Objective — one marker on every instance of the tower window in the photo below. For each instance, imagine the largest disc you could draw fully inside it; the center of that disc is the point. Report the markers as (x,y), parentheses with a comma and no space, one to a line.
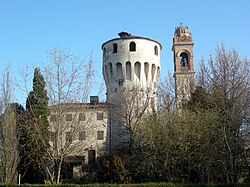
(128,71)
(110,70)
(138,70)
(153,72)
(132,46)
(104,52)
(156,50)
(119,73)
(146,69)
(114,48)
(184,59)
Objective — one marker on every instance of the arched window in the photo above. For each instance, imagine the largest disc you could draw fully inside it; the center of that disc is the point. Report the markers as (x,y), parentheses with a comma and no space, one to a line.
(146,68)
(119,70)
(156,50)
(158,74)
(110,70)
(114,48)
(153,72)
(184,59)
(138,70)
(128,71)
(132,46)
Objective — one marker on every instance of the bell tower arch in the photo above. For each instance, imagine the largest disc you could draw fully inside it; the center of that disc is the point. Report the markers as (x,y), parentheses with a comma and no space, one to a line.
(183,64)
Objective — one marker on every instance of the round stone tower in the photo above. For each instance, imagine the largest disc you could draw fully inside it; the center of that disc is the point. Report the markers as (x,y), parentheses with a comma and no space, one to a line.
(131,61)
(131,70)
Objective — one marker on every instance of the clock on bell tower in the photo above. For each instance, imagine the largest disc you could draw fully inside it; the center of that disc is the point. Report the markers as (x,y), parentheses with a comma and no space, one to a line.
(183,64)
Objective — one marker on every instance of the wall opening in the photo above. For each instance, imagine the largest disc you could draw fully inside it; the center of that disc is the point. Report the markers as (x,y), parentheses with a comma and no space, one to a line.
(146,69)
(110,70)
(128,71)
(119,70)
(138,70)
(114,48)
(158,74)
(153,72)
(156,50)
(184,59)
(132,46)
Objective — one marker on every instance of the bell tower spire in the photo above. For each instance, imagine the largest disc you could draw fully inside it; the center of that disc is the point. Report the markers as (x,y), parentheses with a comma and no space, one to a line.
(183,64)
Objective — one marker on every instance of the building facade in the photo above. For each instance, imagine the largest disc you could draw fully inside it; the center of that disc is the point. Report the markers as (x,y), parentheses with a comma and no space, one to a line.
(131,70)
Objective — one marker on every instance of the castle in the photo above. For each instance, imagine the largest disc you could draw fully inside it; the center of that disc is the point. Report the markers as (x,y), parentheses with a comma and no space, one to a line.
(131,70)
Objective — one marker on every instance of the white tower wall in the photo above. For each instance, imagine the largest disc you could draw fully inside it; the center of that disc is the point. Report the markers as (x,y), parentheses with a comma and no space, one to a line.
(131,70)
(125,68)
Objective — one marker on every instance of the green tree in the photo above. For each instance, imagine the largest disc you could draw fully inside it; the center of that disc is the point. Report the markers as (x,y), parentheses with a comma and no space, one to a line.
(227,82)
(37,140)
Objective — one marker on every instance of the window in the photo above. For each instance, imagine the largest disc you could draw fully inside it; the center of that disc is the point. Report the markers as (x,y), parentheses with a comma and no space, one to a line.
(184,59)
(91,159)
(104,52)
(100,135)
(68,137)
(99,116)
(68,117)
(114,48)
(82,135)
(119,73)
(120,82)
(52,136)
(146,69)
(153,72)
(138,70)
(82,117)
(156,50)
(53,118)
(132,46)
(128,71)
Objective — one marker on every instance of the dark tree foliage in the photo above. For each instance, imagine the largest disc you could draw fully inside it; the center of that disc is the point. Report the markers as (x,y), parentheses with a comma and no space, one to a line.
(36,135)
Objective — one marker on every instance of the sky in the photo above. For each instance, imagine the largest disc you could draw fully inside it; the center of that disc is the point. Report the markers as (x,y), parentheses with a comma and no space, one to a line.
(29,28)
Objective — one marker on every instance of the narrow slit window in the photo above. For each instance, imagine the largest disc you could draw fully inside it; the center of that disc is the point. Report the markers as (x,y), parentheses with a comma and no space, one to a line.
(114,48)
(156,50)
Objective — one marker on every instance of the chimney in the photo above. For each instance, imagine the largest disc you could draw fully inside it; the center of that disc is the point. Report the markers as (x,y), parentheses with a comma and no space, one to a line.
(94,100)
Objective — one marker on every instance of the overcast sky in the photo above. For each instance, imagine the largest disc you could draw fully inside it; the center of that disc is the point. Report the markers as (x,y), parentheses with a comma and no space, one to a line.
(28,28)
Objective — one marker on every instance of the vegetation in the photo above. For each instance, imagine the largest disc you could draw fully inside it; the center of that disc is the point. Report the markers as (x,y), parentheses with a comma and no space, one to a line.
(202,143)
(34,136)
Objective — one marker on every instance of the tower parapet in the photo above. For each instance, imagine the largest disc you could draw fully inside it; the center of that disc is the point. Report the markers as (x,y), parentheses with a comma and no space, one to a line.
(182,35)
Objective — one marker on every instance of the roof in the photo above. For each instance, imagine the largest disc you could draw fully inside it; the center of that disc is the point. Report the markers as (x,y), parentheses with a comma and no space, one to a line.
(82,106)
(125,35)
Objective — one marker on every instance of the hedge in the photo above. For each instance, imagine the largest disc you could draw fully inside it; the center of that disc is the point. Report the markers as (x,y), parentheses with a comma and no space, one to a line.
(128,185)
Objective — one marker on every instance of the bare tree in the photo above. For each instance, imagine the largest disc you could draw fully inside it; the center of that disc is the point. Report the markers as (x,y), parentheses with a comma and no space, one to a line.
(9,155)
(69,80)
(166,94)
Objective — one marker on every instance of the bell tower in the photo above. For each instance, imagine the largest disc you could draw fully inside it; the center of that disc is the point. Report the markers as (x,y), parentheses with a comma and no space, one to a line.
(183,64)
